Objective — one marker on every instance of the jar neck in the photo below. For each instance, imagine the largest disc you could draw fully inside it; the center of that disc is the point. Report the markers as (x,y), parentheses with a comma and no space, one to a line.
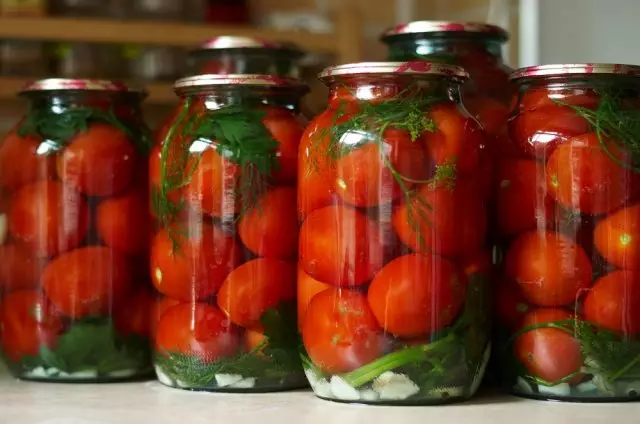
(424,46)
(248,96)
(377,88)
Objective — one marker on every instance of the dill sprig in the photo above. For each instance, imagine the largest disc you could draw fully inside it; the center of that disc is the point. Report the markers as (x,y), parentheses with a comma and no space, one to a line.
(616,121)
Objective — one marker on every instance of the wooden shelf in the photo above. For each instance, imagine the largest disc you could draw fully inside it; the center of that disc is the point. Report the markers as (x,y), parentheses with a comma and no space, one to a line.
(159,93)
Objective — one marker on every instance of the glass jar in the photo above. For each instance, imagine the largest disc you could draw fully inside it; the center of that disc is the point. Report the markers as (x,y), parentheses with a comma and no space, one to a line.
(223,257)
(567,212)
(393,258)
(245,55)
(162,10)
(75,307)
(154,63)
(83,60)
(477,48)
(93,8)
(22,58)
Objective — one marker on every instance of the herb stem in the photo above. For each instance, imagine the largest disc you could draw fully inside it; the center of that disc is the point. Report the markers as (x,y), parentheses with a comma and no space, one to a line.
(635,361)
(372,370)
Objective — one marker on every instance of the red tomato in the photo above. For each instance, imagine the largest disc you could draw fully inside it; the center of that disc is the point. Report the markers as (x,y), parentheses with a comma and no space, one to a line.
(340,333)
(133,314)
(287,131)
(453,223)
(308,287)
(270,229)
(191,262)
(340,246)
(581,176)
(458,139)
(49,218)
(364,179)
(88,281)
(24,160)
(480,262)
(540,131)
(614,302)
(491,113)
(415,295)
(522,203)
(155,174)
(254,340)
(212,187)
(544,98)
(123,222)
(548,353)
(316,167)
(98,162)
(510,305)
(198,330)
(161,305)
(19,269)
(255,287)
(28,322)
(617,238)
(549,267)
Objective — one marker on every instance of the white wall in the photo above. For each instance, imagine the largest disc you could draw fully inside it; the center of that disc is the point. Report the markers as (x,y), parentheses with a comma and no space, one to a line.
(584,31)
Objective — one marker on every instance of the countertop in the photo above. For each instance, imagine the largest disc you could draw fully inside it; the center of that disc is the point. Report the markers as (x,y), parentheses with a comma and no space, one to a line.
(149,402)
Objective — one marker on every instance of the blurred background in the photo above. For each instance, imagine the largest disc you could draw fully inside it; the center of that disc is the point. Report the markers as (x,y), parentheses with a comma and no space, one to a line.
(147,40)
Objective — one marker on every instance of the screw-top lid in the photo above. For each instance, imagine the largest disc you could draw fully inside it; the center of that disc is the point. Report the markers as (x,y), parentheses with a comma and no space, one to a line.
(426,27)
(208,80)
(418,67)
(67,84)
(229,42)
(575,69)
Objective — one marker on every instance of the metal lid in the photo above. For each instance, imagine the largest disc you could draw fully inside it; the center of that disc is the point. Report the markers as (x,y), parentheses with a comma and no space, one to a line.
(226,42)
(417,67)
(425,27)
(67,84)
(208,80)
(575,69)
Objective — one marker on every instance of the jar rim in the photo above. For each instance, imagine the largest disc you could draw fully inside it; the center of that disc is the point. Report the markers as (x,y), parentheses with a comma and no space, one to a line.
(416,67)
(71,84)
(568,69)
(426,27)
(209,80)
(237,42)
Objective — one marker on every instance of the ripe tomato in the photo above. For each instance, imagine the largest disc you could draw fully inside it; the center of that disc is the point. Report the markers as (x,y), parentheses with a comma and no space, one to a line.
(133,314)
(415,295)
(87,282)
(540,131)
(24,161)
(270,229)
(191,262)
(161,304)
(287,131)
(581,176)
(617,238)
(49,218)
(198,330)
(155,174)
(453,223)
(458,139)
(28,322)
(308,287)
(316,166)
(522,203)
(212,187)
(548,353)
(535,99)
(123,222)
(98,162)
(341,246)
(510,305)
(340,333)
(254,340)
(549,267)
(364,179)
(19,269)
(614,302)
(255,287)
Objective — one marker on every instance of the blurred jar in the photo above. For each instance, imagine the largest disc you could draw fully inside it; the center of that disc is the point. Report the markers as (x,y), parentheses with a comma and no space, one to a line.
(568,213)
(227,12)
(84,60)
(224,252)
(26,58)
(394,262)
(245,55)
(23,8)
(154,63)
(161,10)
(72,172)
(93,8)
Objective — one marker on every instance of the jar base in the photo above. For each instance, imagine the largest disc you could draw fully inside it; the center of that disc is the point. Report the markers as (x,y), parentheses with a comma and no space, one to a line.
(576,399)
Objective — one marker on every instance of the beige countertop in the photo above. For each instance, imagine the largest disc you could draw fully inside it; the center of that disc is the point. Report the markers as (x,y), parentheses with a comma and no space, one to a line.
(149,402)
